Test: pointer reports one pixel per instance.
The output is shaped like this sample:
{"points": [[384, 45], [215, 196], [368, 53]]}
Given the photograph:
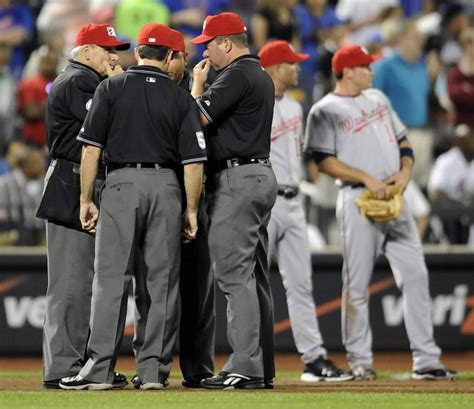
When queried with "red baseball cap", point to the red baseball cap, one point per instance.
{"points": [[157, 34], [351, 56], [102, 35], [278, 52], [220, 25], [177, 40]]}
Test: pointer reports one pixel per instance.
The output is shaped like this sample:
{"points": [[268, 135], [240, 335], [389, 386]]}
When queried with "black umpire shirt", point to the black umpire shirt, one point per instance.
{"points": [[239, 107], [68, 102], [142, 116]]}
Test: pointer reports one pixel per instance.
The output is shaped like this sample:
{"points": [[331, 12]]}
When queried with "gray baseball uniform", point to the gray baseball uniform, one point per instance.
{"points": [[287, 233], [362, 132]]}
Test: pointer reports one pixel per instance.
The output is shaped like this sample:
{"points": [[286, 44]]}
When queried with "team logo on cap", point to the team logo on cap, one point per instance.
{"points": [[88, 105], [111, 32], [201, 140], [152, 40]]}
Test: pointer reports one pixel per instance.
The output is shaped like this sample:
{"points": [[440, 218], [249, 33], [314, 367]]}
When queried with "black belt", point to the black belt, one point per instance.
{"points": [[219, 165], [139, 165], [353, 185], [288, 192]]}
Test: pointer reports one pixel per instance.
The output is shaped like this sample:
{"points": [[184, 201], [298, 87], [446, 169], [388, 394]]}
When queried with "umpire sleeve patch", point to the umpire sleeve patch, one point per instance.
{"points": [[201, 140]]}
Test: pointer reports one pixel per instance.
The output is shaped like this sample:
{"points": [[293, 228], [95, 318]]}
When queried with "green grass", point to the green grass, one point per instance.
{"points": [[199, 399], [232, 400]]}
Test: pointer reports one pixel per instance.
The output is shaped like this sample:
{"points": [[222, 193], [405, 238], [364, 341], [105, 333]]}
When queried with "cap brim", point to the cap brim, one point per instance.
{"points": [[201, 39], [301, 57], [119, 45]]}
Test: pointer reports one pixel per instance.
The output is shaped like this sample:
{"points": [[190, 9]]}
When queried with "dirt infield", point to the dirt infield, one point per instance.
{"points": [[461, 361]]}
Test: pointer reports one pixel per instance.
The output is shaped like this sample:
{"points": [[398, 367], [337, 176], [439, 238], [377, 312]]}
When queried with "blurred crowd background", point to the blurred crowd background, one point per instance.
{"points": [[425, 65]]}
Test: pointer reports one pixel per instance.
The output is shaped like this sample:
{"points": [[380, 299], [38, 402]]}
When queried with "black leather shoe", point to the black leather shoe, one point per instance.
{"points": [[269, 384], [120, 380], [52, 384], [233, 381], [195, 381]]}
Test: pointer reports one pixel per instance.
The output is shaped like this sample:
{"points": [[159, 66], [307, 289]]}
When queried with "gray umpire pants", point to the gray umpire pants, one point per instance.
{"points": [[362, 243], [140, 213], [70, 256], [197, 312], [288, 242], [239, 205]]}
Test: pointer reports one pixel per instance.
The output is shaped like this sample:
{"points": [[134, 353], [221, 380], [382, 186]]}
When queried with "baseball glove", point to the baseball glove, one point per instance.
{"points": [[380, 210]]}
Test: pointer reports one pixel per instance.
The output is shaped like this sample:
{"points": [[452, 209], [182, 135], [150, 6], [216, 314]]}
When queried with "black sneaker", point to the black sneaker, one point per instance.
{"points": [[195, 381], [440, 374], [322, 369], [268, 383], [78, 383], [233, 381], [360, 373], [52, 384], [120, 381], [138, 384]]}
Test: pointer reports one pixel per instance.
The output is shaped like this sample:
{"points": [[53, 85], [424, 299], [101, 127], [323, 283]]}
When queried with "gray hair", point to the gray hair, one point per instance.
{"points": [[77, 50]]}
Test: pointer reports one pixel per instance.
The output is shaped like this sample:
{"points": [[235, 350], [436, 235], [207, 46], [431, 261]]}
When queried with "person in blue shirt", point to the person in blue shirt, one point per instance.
{"points": [[403, 76], [16, 28]]}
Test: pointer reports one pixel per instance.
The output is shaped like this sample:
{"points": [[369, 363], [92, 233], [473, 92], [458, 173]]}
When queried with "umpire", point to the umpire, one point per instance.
{"points": [[241, 190], [147, 126], [71, 250], [197, 322]]}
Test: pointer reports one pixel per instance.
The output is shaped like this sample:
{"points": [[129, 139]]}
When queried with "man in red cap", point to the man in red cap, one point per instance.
{"points": [[287, 231], [355, 136], [197, 319], [241, 189], [71, 249], [145, 126]]}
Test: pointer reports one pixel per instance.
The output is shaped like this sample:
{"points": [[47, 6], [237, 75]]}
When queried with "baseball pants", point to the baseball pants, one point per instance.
{"points": [[239, 204], [140, 209], [362, 242], [288, 240]]}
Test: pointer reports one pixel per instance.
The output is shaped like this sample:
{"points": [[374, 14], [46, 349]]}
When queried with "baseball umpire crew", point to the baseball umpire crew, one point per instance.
{"points": [[147, 126], [240, 192], [355, 136], [71, 251], [197, 322], [288, 237]]}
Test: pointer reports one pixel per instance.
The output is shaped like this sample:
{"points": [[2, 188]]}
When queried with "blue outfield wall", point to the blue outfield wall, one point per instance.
{"points": [[23, 282]]}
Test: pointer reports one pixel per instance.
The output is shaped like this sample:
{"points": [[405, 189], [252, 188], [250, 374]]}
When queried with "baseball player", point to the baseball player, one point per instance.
{"points": [[240, 192], [71, 251], [356, 137], [287, 231], [140, 210]]}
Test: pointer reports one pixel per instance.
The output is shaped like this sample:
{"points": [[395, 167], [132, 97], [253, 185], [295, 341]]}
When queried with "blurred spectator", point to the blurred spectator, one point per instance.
{"points": [[461, 81], [53, 39], [7, 97], [16, 28], [131, 15], [274, 21], [315, 20], [70, 14], [418, 206], [32, 96], [15, 150], [451, 184], [453, 21], [365, 17], [20, 194], [187, 16], [404, 78]]}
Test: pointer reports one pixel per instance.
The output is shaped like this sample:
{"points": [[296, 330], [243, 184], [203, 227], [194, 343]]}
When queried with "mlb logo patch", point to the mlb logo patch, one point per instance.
{"points": [[201, 140], [111, 32], [88, 104], [152, 40], [150, 79]]}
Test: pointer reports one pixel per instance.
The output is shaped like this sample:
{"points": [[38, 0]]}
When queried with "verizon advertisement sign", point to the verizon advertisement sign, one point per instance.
{"points": [[23, 303]]}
